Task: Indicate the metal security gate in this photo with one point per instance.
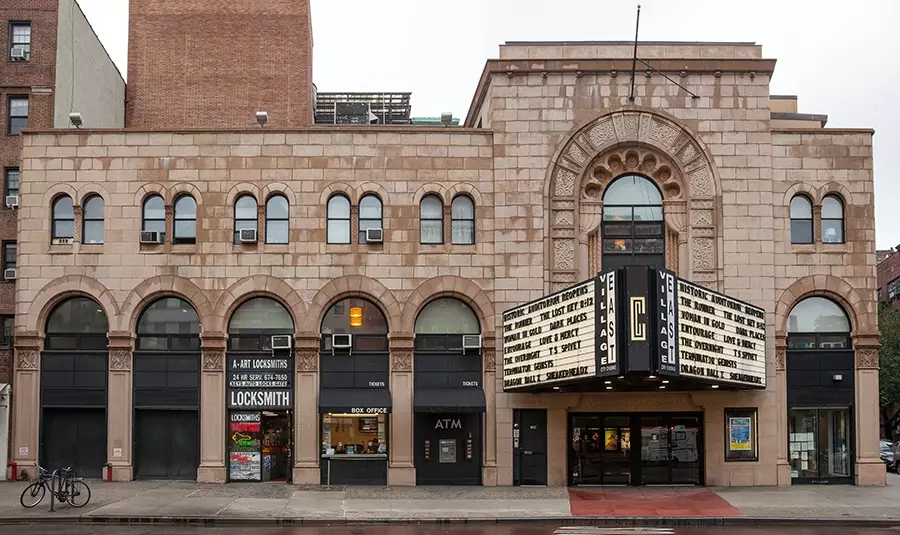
(167, 444)
(76, 438)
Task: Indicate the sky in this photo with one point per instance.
(839, 57)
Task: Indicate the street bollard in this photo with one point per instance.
(13, 475)
(52, 490)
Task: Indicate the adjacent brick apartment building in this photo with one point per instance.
(889, 278)
(53, 64)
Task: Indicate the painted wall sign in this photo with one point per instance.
(720, 338)
(550, 340)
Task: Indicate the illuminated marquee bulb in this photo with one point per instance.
(356, 317)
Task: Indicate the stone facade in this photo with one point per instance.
(553, 133)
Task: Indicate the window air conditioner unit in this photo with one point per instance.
(62, 241)
(281, 342)
(12, 201)
(248, 235)
(341, 341)
(471, 342)
(374, 235)
(9, 274)
(153, 237)
(18, 53)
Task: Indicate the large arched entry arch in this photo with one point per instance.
(820, 392)
(74, 379)
(259, 391)
(166, 377)
(354, 398)
(448, 396)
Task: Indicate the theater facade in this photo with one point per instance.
(573, 288)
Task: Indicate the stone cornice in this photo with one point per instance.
(827, 131)
(311, 129)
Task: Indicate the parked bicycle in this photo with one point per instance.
(70, 489)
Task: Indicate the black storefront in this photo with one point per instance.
(167, 391)
(259, 392)
(820, 393)
(448, 396)
(354, 398)
(634, 329)
(74, 379)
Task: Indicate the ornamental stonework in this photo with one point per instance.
(120, 359)
(401, 360)
(307, 361)
(867, 358)
(490, 360)
(213, 359)
(27, 359)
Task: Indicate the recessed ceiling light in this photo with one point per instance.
(662, 386)
(665, 382)
(715, 386)
(607, 382)
(609, 388)
(555, 388)
(651, 377)
(621, 377)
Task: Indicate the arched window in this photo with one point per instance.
(633, 230)
(818, 323)
(447, 315)
(246, 213)
(431, 220)
(278, 214)
(77, 323)
(370, 215)
(169, 324)
(63, 218)
(154, 215)
(255, 322)
(359, 317)
(801, 220)
(92, 224)
(832, 219)
(462, 220)
(185, 220)
(338, 219)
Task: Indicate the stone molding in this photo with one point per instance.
(401, 360)
(866, 358)
(307, 360)
(27, 359)
(120, 359)
(213, 359)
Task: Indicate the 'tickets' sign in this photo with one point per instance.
(260, 382)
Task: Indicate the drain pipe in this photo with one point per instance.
(4, 431)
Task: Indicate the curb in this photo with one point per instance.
(732, 521)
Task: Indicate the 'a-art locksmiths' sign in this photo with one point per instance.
(260, 382)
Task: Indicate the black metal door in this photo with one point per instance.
(76, 438)
(530, 447)
(167, 444)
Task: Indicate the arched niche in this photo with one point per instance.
(169, 323)
(255, 321)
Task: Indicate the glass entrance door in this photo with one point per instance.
(820, 445)
(670, 450)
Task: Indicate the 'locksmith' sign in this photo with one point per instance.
(260, 382)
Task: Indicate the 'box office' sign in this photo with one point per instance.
(590, 329)
(260, 382)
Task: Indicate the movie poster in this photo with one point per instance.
(739, 433)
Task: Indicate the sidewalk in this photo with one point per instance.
(268, 503)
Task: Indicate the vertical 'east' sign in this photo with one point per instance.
(666, 322)
(607, 348)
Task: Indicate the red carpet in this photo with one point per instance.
(649, 501)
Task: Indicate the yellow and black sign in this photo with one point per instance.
(638, 306)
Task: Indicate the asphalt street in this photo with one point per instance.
(94, 529)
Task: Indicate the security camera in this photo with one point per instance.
(262, 118)
(75, 119)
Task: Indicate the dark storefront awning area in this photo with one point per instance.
(637, 382)
(444, 400)
(354, 400)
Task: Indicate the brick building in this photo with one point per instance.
(326, 304)
(53, 64)
(889, 278)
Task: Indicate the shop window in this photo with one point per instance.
(357, 317)
(20, 41)
(278, 215)
(246, 215)
(354, 434)
(255, 322)
(92, 220)
(431, 220)
(338, 220)
(370, 215)
(77, 323)
(169, 324)
(462, 220)
(832, 219)
(154, 215)
(17, 115)
(185, 227)
(633, 232)
(801, 220)
(63, 218)
(11, 181)
(818, 323)
(741, 435)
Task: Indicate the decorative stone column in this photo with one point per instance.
(783, 465)
(869, 467)
(489, 476)
(212, 410)
(306, 407)
(119, 413)
(402, 468)
(26, 401)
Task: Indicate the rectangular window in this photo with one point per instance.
(20, 41)
(893, 289)
(11, 181)
(6, 331)
(17, 108)
(741, 435)
(354, 434)
(9, 256)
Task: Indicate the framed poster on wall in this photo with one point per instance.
(741, 435)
